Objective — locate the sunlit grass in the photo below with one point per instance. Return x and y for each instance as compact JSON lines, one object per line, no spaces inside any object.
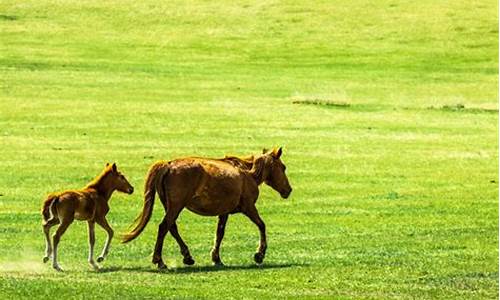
{"x":391,"y":145}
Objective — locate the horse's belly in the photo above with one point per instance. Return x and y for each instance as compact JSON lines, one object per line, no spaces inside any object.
{"x":216,"y":195}
{"x":210,"y":207}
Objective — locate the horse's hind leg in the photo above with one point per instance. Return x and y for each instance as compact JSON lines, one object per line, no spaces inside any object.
{"x":57,"y":237}
{"x":46,"y":231}
{"x":253,"y":215}
{"x":188,"y":259}
{"x":221,"y":227}
{"x":165,"y":225}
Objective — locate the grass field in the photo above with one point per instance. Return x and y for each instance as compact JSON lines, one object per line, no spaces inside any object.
{"x":387,"y":112}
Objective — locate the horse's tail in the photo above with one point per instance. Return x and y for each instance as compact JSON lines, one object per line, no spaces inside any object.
{"x":155,"y":174}
{"x":48,"y":208}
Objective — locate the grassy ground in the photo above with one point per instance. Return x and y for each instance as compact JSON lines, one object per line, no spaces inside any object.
{"x":387,"y":112}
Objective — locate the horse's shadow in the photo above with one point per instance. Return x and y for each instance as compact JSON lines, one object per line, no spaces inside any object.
{"x":198,"y":269}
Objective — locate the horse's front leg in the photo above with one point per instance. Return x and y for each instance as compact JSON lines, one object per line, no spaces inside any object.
{"x":252,"y":213}
{"x":104,"y":224}
{"x":91,"y":227}
{"x":221,"y":227}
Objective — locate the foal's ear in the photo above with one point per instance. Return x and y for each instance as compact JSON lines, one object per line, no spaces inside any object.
{"x":277,"y":153}
{"x":264,"y":150}
{"x":114,"y":167}
{"x":107,"y":164}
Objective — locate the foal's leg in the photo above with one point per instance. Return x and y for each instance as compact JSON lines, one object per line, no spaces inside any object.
{"x":46,"y":232}
{"x":188,"y":259}
{"x":253,"y":215}
{"x":91,"y":227}
{"x":57,"y":237}
{"x":104,"y":224}
{"x":165,"y":225}
{"x":221,"y":227}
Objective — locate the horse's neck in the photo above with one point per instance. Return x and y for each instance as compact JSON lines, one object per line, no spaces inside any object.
{"x":101,"y":186}
{"x":259,"y":179}
{"x":251,"y":187}
{"x":258,"y":171}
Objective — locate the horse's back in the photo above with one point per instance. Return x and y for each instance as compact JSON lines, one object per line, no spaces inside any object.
{"x":198,"y":168}
{"x":206,"y":186}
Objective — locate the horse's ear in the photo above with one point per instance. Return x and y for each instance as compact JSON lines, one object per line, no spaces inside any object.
{"x":264,"y":150}
{"x":277,"y":153}
{"x":114,"y":167}
{"x":107,"y":164}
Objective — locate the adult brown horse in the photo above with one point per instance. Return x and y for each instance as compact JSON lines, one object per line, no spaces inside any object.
{"x":209,"y":187}
{"x":90,"y":204}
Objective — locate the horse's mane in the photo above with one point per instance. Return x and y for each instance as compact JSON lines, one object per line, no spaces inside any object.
{"x":245,"y":163}
{"x":256,"y":167}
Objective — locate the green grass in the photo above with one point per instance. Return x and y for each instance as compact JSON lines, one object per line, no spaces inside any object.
{"x":391,"y":144}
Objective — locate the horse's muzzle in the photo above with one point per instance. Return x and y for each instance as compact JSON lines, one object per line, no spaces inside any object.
{"x":130,"y":191}
{"x":286,"y":194}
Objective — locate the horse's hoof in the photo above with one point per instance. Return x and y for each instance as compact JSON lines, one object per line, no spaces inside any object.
{"x":45,"y":259}
{"x":100,"y":259}
{"x":258,"y":257}
{"x":156,"y":260}
{"x":162,"y":266}
{"x":188,"y":261}
{"x":218,"y":264}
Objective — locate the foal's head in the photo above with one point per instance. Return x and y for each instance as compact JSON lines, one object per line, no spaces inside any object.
{"x":117,"y":181}
{"x":269,"y":168}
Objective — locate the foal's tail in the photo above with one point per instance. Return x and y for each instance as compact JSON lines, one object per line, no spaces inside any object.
{"x":155,"y":174}
{"x":48,"y":208}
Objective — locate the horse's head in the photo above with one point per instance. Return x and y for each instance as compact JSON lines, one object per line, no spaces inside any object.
{"x":117,"y":180}
{"x":269,"y":168}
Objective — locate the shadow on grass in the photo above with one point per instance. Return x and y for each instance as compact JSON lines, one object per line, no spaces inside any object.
{"x":200,"y":269}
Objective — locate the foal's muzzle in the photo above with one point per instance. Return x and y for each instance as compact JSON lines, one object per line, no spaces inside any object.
{"x":130,"y":190}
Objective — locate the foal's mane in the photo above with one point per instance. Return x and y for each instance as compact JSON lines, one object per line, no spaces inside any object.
{"x":96,"y":183}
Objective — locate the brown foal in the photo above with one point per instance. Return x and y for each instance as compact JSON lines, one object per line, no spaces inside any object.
{"x":210,"y":187}
{"x":88,"y":204}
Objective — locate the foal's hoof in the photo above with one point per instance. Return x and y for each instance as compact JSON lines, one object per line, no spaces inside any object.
{"x":100,"y":259}
{"x":258,"y":257}
{"x":45,"y":259}
{"x":58,"y":268}
{"x":95,"y":267}
{"x":188,"y":261}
